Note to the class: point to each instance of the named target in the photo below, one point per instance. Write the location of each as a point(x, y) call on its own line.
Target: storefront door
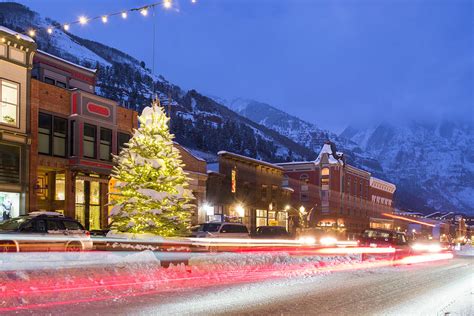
point(88, 203)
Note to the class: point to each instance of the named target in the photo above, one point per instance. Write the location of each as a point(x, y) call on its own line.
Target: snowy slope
point(302, 132)
point(433, 164)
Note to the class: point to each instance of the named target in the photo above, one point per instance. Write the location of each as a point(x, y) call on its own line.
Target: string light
point(144, 11)
point(167, 4)
point(83, 20)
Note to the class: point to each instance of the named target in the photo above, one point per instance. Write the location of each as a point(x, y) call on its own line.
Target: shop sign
point(234, 180)
point(92, 179)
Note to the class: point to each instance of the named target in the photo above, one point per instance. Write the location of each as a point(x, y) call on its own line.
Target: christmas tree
point(152, 195)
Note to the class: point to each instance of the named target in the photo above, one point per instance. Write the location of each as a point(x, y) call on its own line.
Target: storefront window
point(9, 205)
point(9, 164)
point(282, 218)
point(261, 219)
point(95, 195)
point(60, 182)
point(9, 93)
point(80, 202)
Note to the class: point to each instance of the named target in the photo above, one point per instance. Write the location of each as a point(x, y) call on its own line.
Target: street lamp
point(302, 209)
point(240, 210)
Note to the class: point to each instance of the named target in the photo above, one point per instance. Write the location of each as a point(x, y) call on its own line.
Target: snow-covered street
point(433, 288)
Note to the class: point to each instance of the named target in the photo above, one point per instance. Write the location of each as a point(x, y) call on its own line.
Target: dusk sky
point(330, 62)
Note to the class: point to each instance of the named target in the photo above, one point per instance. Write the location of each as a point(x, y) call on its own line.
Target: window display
point(9, 205)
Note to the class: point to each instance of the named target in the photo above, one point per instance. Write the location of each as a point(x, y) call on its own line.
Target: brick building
point(246, 190)
point(16, 59)
point(335, 195)
point(74, 134)
point(196, 170)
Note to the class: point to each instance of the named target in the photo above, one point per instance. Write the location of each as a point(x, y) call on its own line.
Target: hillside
point(197, 121)
point(433, 164)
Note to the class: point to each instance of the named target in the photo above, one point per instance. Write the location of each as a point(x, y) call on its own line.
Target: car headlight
point(327, 241)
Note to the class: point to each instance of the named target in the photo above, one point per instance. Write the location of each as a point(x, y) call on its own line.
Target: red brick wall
point(126, 119)
point(48, 98)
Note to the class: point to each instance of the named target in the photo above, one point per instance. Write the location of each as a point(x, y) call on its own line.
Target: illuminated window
point(9, 97)
point(325, 172)
point(304, 177)
point(60, 184)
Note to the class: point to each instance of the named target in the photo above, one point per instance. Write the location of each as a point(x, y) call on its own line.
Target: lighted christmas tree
point(152, 186)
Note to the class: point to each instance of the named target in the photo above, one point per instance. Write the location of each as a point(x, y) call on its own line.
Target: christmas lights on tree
point(152, 186)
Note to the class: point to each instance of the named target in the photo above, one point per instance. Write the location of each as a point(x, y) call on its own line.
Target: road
point(435, 288)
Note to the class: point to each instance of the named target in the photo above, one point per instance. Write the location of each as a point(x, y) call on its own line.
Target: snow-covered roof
point(41, 52)
point(256, 161)
point(328, 150)
point(382, 185)
point(14, 33)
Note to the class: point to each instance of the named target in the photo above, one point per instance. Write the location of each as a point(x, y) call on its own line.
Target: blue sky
point(331, 62)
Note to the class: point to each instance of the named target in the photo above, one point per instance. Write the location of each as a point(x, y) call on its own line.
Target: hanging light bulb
point(50, 30)
point(3, 40)
point(124, 15)
point(167, 4)
point(144, 11)
point(17, 36)
point(104, 19)
point(83, 20)
point(66, 27)
point(31, 33)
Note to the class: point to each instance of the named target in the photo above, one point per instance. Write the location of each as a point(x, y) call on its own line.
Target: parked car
point(43, 231)
point(220, 230)
point(271, 232)
point(374, 237)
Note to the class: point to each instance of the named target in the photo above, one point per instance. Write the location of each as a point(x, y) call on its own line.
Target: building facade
point(246, 190)
point(16, 60)
point(336, 196)
point(74, 134)
point(196, 171)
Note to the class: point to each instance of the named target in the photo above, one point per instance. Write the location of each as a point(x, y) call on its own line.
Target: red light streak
point(408, 219)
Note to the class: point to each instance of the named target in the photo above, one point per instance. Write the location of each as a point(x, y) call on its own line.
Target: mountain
point(198, 121)
point(302, 132)
point(431, 163)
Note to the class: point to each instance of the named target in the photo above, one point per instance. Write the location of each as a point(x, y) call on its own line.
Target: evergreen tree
point(152, 195)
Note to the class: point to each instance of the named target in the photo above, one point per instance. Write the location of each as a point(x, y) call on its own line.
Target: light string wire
point(82, 20)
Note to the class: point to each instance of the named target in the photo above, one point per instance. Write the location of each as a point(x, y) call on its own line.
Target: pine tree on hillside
point(153, 195)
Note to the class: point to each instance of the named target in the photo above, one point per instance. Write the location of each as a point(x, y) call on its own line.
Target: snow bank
point(57, 260)
point(466, 250)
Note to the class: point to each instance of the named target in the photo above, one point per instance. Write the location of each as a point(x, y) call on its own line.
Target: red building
point(337, 196)
point(74, 133)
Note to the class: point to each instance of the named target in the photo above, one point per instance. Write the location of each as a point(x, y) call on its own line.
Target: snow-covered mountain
point(432, 164)
point(302, 132)
point(197, 121)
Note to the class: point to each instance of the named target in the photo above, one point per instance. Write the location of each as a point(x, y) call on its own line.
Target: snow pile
point(466, 250)
point(59, 260)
